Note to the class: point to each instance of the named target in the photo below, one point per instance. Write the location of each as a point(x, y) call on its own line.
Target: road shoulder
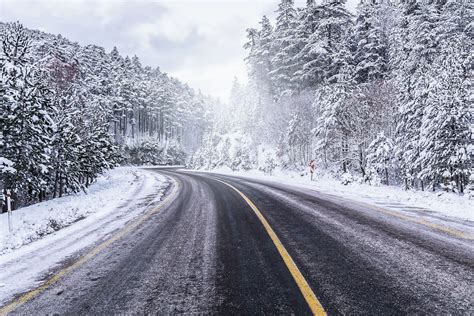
point(19, 269)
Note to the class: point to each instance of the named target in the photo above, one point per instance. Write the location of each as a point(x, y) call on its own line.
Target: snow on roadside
point(36, 221)
point(443, 203)
point(113, 201)
point(162, 166)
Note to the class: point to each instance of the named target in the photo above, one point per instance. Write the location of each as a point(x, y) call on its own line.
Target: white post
point(9, 209)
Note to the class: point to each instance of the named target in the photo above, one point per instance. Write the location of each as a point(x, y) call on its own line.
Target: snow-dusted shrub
point(145, 153)
point(175, 154)
point(448, 184)
point(241, 159)
point(347, 178)
point(153, 152)
point(372, 177)
point(245, 152)
point(270, 165)
point(234, 151)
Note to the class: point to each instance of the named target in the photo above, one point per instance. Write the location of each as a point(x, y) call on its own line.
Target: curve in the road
point(306, 290)
point(24, 298)
point(209, 251)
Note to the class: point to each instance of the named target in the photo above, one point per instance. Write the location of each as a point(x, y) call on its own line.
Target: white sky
point(199, 42)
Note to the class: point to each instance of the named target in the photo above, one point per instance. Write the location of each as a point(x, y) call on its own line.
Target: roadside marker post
point(312, 165)
point(9, 210)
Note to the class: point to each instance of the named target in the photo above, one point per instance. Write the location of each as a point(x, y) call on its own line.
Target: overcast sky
point(199, 42)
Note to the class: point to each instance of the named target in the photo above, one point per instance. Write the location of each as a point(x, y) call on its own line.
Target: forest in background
point(379, 96)
point(382, 95)
point(68, 112)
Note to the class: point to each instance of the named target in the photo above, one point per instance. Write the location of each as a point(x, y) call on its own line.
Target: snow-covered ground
point(162, 166)
point(35, 221)
point(390, 197)
point(52, 231)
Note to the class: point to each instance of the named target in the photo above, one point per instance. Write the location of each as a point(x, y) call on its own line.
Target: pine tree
point(380, 156)
point(445, 130)
point(331, 22)
point(261, 53)
point(117, 104)
point(284, 47)
point(371, 51)
point(420, 45)
point(63, 79)
point(307, 25)
point(336, 121)
point(299, 137)
point(26, 123)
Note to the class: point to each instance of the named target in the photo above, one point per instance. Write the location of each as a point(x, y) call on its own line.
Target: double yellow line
point(303, 285)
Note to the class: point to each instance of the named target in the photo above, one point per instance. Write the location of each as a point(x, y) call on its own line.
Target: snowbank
point(162, 166)
point(33, 222)
point(391, 197)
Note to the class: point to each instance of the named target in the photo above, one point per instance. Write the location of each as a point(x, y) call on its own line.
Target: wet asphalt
point(207, 252)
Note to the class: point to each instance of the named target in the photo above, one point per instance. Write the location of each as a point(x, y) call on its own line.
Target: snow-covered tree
point(371, 51)
point(260, 56)
point(384, 70)
point(330, 22)
point(299, 131)
point(71, 111)
point(420, 39)
point(26, 124)
point(335, 101)
point(445, 130)
point(285, 48)
point(380, 155)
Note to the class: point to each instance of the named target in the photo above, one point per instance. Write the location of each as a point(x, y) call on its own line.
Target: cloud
point(196, 41)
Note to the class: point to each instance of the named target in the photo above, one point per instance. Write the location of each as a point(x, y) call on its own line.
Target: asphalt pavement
point(206, 251)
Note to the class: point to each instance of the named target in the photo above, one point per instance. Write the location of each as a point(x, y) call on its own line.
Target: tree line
point(383, 93)
point(68, 112)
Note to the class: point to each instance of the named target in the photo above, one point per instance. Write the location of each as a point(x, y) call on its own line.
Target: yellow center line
point(303, 285)
point(55, 278)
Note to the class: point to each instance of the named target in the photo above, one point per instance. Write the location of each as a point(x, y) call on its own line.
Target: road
point(205, 250)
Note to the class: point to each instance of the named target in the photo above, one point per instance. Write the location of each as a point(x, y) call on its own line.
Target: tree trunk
point(361, 161)
point(55, 187)
point(61, 186)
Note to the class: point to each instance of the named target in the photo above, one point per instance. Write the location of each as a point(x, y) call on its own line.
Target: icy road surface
point(207, 252)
